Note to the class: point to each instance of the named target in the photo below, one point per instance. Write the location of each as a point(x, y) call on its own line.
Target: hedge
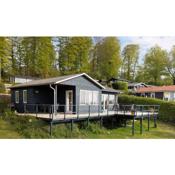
point(120, 85)
point(167, 109)
point(2, 88)
point(4, 102)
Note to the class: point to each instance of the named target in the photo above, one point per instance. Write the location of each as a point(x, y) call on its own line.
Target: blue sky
point(147, 42)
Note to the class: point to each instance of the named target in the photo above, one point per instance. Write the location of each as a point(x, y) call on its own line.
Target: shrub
point(167, 109)
point(4, 102)
point(2, 88)
point(120, 85)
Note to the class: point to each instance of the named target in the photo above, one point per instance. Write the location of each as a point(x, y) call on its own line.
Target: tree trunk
point(174, 81)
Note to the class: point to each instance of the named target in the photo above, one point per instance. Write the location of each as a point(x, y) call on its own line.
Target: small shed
point(71, 93)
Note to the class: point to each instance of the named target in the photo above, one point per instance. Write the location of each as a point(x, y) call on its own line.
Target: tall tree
point(4, 55)
point(106, 61)
point(170, 66)
point(74, 54)
point(38, 56)
point(154, 64)
point(16, 55)
point(130, 55)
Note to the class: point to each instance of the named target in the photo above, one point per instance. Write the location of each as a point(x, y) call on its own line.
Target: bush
point(120, 85)
point(2, 88)
point(167, 109)
point(4, 102)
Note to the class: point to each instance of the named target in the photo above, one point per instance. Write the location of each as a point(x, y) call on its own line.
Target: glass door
point(69, 101)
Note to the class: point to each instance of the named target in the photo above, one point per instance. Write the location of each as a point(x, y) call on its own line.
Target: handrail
point(78, 111)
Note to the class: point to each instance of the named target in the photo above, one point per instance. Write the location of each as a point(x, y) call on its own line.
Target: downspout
point(54, 106)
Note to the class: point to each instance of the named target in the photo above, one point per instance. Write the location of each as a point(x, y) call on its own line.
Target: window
point(24, 96)
point(152, 95)
point(111, 99)
point(16, 96)
point(89, 97)
point(95, 97)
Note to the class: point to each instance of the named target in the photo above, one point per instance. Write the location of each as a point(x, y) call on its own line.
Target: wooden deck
point(67, 116)
point(124, 112)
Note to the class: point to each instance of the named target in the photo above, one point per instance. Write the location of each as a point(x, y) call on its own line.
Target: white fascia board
point(79, 76)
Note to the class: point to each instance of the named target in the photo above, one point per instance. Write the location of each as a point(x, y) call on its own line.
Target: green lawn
point(163, 131)
point(23, 127)
point(7, 131)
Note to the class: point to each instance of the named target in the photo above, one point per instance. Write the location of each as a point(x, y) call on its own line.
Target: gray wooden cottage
point(71, 94)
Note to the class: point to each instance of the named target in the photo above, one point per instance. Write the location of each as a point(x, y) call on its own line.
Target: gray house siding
point(82, 83)
point(44, 95)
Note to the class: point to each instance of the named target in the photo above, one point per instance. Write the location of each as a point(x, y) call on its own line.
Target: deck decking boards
point(64, 116)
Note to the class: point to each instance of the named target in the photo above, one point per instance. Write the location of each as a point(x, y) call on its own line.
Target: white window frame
point(89, 97)
point(17, 97)
point(24, 100)
point(95, 97)
point(113, 96)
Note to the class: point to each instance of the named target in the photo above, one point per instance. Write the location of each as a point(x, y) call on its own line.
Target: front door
point(104, 102)
point(69, 101)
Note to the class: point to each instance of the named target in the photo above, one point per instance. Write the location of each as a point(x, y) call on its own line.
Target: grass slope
point(13, 126)
point(7, 131)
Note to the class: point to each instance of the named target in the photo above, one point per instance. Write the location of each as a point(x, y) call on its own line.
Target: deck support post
point(72, 122)
point(125, 122)
point(101, 122)
point(155, 122)
point(51, 128)
point(112, 122)
point(133, 127)
point(148, 122)
point(87, 121)
point(141, 125)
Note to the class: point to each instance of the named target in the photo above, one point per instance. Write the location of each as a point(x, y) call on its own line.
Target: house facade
point(161, 92)
point(72, 94)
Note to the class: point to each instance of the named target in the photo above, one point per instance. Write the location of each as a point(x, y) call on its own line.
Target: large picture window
point(89, 97)
point(111, 99)
point(16, 96)
point(24, 96)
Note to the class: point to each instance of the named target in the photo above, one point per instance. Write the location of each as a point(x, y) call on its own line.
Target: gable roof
point(156, 89)
point(137, 84)
point(108, 89)
point(56, 80)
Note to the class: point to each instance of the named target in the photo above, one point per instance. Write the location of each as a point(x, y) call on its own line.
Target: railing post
point(107, 110)
point(78, 111)
point(53, 112)
point(24, 108)
point(64, 112)
point(36, 110)
point(98, 110)
point(88, 116)
point(89, 111)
